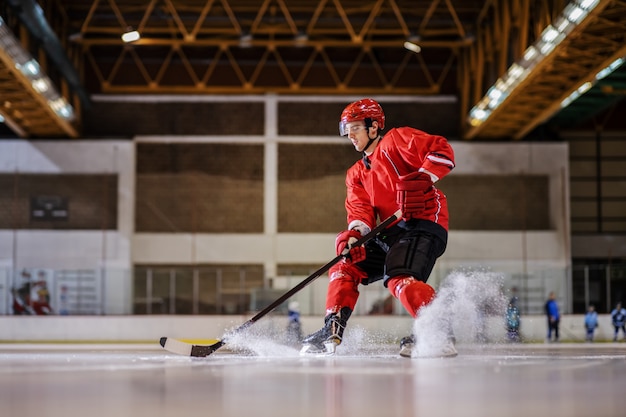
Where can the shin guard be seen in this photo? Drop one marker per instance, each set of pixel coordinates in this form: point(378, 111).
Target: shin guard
point(413, 294)
point(343, 287)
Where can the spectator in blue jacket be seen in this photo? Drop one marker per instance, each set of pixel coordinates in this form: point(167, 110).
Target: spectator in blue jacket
point(554, 317)
point(294, 328)
point(618, 317)
point(591, 322)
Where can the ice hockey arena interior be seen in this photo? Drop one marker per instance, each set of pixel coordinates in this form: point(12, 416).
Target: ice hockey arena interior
point(172, 177)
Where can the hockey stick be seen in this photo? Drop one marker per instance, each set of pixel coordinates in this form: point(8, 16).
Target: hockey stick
point(190, 349)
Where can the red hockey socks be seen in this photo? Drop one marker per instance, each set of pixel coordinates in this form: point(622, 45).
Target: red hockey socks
point(343, 287)
point(413, 294)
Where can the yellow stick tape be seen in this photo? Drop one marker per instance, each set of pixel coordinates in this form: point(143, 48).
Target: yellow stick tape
point(200, 341)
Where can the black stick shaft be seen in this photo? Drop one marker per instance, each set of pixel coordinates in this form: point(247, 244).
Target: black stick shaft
point(364, 239)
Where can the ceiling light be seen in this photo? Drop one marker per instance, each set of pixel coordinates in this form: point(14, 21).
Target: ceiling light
point(300, 37)
point(245, 40)
point(413, 47)
point(131, 36)
point(412, 44)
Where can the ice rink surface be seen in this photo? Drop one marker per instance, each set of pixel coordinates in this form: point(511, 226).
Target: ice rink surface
point(505, 380)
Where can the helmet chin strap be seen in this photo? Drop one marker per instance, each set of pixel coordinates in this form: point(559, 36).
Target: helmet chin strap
point(371, 140)
point(366, 160)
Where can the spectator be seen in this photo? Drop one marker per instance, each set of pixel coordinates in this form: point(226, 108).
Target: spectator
point(513, 321)
point(591, 322)
point(618, 317)
point(554, 317)
point(294, 328)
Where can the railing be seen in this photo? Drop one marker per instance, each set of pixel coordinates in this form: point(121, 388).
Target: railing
point(234, 290)
point(601, 285)
point(244, 289)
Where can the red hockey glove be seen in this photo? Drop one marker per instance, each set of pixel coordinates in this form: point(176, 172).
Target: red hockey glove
point(345, 240)
point(410, 191)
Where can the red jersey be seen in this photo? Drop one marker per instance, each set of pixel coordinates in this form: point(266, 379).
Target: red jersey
point(371, 192)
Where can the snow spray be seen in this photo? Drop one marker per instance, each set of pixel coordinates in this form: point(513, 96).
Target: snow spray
point(465, 304)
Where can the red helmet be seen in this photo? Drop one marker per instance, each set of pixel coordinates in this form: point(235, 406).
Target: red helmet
point(364, 109)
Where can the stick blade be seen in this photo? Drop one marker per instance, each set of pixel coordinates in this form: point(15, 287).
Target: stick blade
point(176, 346)
point(181, 347)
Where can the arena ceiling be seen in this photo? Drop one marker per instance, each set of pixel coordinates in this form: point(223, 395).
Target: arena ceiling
point(347, 47)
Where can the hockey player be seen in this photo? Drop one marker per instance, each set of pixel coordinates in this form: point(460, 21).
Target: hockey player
point(513, 322)
point(618, 318)
point(591, 322)
point(397, 171)
point(294, 327)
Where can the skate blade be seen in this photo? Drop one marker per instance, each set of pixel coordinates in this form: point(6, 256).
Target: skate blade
point(429, 354)
point(437, 356)
point(406, 352)
point(311, 350)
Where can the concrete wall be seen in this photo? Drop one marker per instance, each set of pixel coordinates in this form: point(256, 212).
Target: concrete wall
point(512, 253)
point(73, 249)
point(108, 250)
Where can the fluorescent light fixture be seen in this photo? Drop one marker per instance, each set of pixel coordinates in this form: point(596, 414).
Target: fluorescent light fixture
point(62, 108)
point(588, 4)
point(564, 25)
point(412, 43)
point(477, 116)
point(30, 68)
point(531, 53)
point(496, 95)
point(301, 37)
point(131, 36)
point(41, 85)
point(515, 72)
point(587, 85)
point(552, 35)
point(550, 38)
point(610, 68)
point(549, 34)
point(576, 93)
point(245, 40)
point(574, 14)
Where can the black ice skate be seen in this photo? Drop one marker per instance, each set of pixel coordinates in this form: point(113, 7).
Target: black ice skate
point(326, 340)
point(407, 343)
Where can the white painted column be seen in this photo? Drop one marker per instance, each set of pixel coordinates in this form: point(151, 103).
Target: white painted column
point(270, 180)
